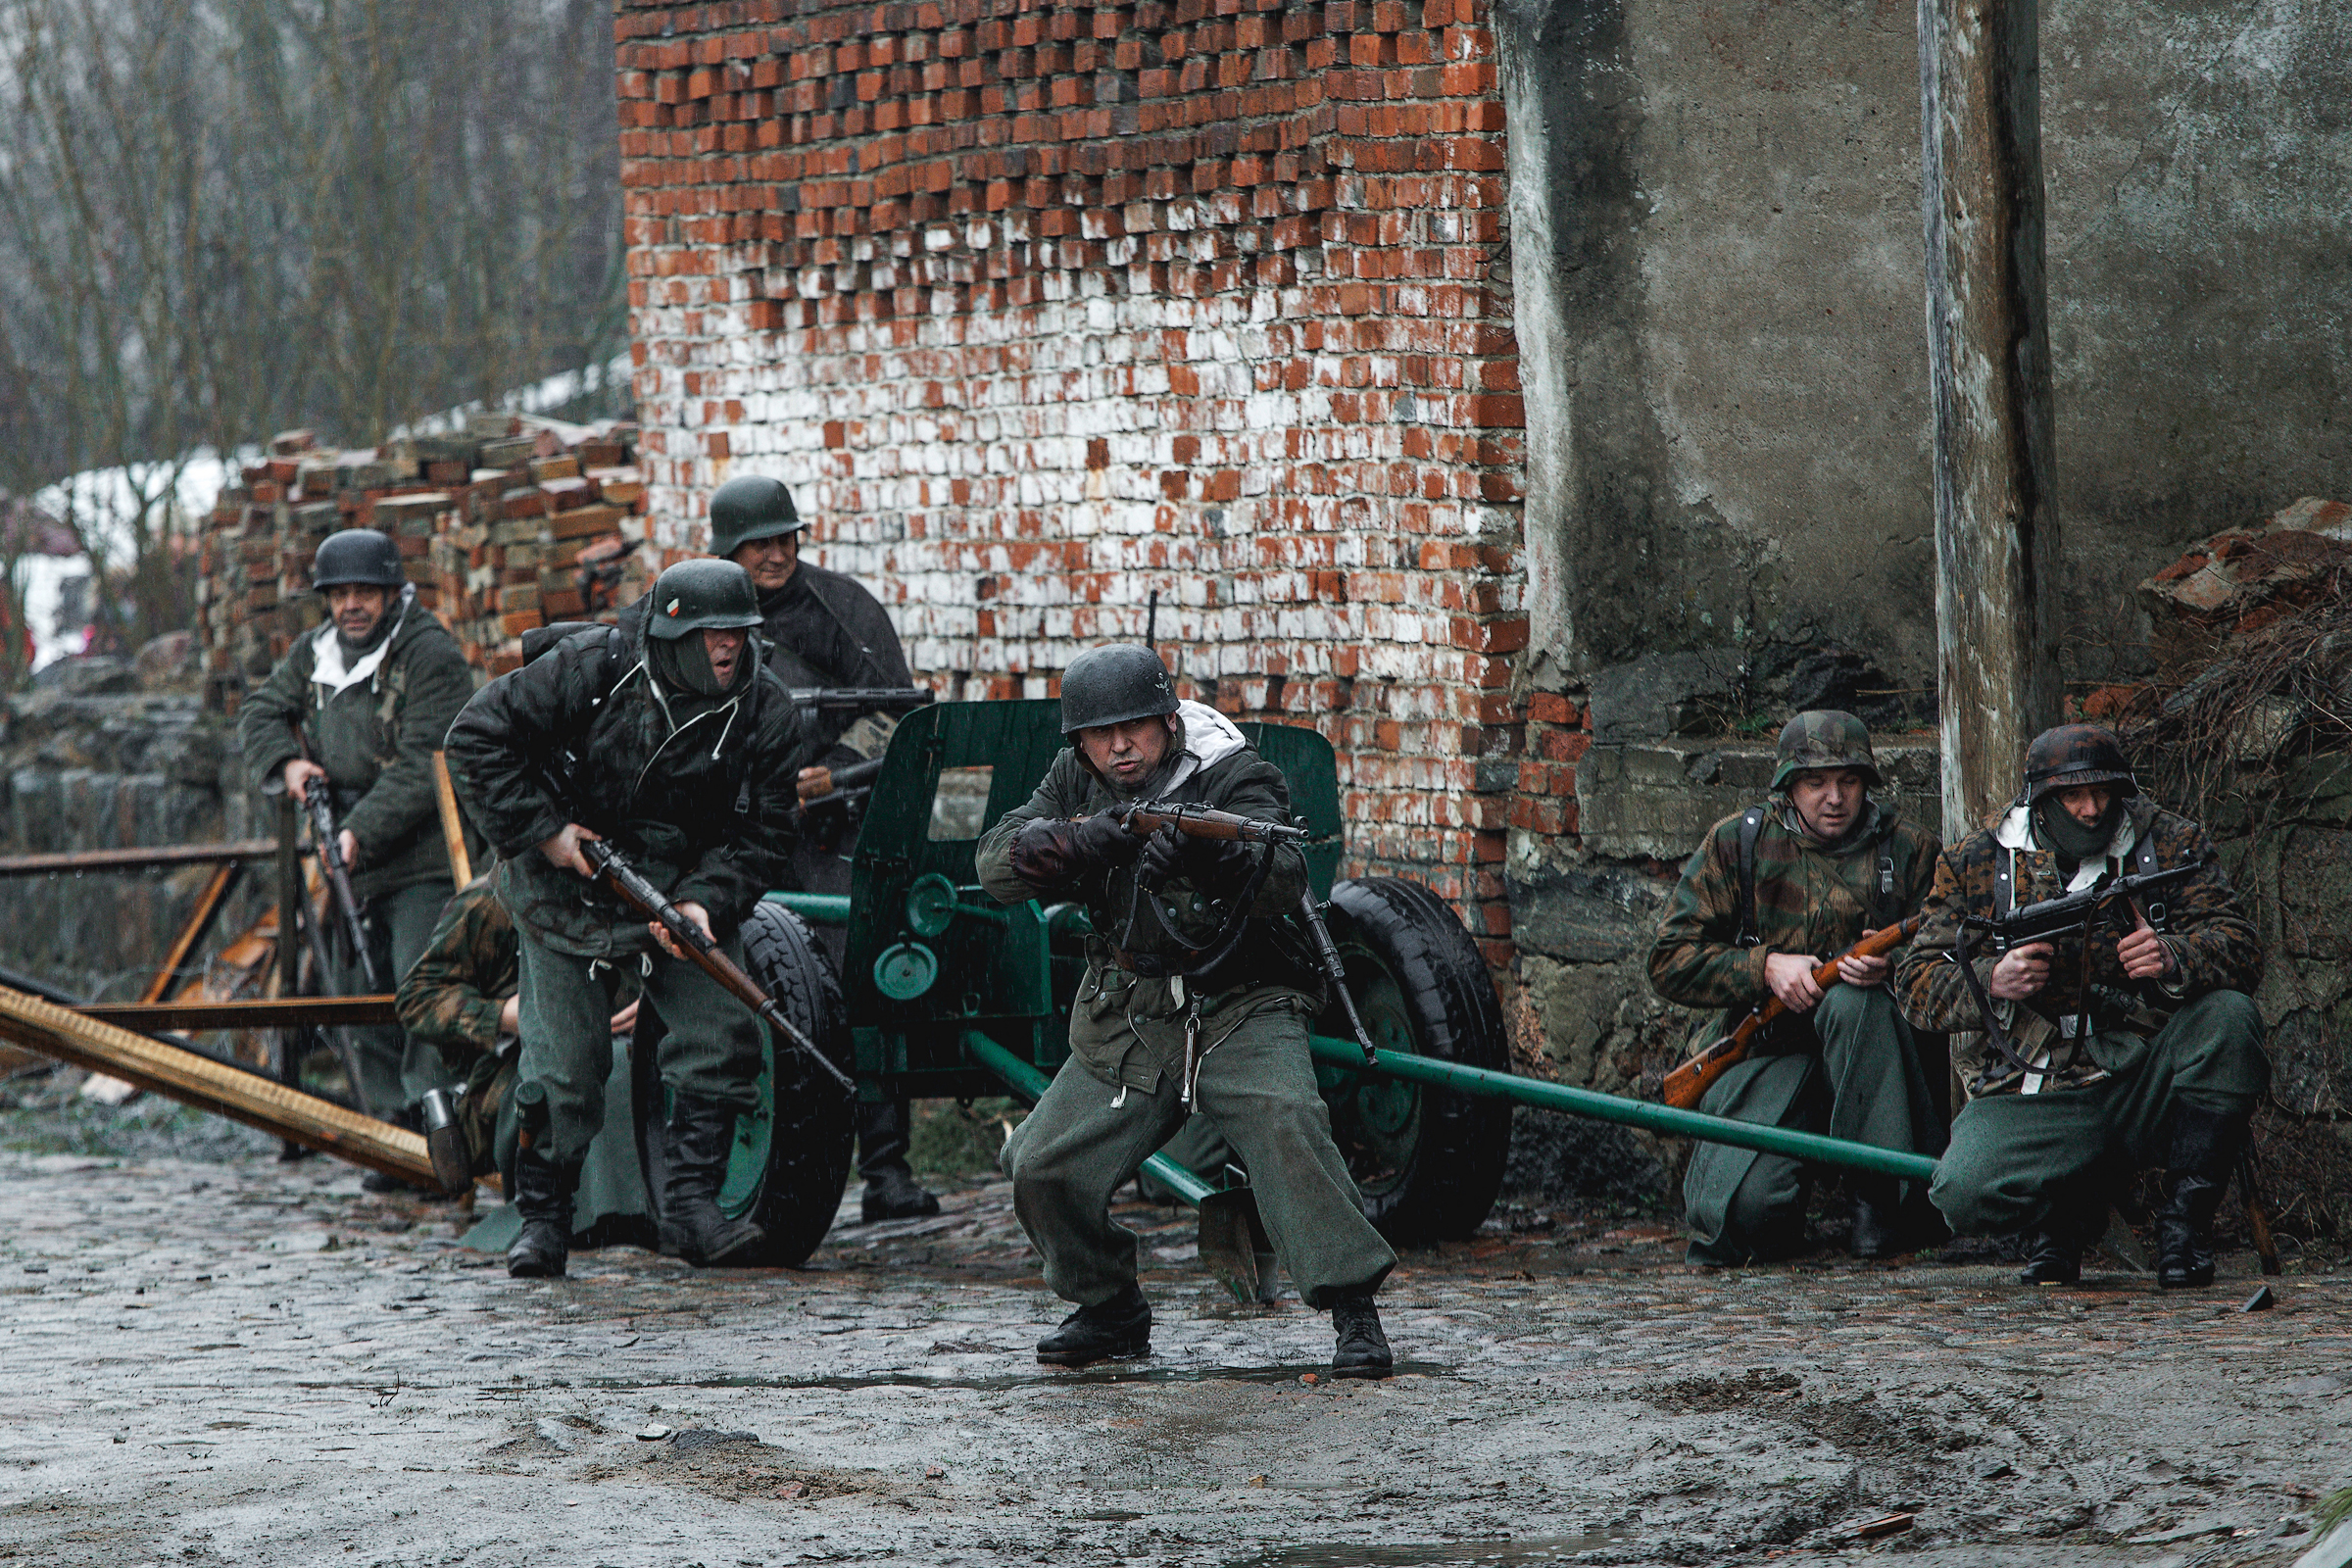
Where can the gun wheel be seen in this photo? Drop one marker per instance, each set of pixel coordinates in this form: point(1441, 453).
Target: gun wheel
point(792, 1156)
point(1428, 1161)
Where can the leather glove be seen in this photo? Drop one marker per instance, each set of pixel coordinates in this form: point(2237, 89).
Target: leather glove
point(1222, 866)
point(1165, 853)
point(1053, 854)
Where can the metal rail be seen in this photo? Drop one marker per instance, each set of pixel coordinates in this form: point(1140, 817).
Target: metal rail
point(273, 1013)
point(817, 909)
point(1544, 1096)
point(136, 859)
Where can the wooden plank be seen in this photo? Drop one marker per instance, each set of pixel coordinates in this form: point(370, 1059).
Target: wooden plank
point(1989, 351)
point(136, 857)
point(452, 823)
point(249, 1012)
point(200, 920)
point(194, 1080)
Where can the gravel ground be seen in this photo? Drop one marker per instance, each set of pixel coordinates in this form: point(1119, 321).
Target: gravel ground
point(210, 1356)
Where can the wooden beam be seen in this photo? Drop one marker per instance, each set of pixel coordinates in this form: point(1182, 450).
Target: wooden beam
point(1989, 351)
point(200, 920)
point(259, 1012)
point(207, 1085)
point(135, 859)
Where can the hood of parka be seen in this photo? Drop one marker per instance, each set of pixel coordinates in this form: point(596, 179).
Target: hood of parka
point(682, 666)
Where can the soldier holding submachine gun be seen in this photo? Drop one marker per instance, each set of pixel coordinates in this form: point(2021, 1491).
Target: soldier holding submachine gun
point(2093, 954)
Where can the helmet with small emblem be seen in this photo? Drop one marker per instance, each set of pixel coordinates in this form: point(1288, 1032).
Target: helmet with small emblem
point(754, 507)
point(701, 596)
point(357, 555)
point(1823, 738)
point(1112, 685)
point(2076, 754)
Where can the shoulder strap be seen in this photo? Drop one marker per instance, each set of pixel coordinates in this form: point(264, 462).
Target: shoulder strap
point(2004, 881)
point(1752, 823)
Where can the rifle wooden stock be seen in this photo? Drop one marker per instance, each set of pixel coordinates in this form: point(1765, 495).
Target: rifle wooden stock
point(1688, 1083)
point(1200, 822)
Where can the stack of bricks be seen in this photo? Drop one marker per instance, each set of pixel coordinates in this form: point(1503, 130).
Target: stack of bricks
point(509, 526)
point(1043, 309)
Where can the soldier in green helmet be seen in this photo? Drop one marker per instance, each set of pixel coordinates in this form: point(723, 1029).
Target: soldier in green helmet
point(1198, 990)
point(675, 742)
point(358, 709)
point(822, 629)
point(2126, 1051)
point(1774, 893)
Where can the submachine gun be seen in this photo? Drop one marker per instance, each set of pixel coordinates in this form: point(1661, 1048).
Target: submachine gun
point(2104, 902)
point(831, 813)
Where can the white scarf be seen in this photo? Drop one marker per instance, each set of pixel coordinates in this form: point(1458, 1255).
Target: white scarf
point(327, 649)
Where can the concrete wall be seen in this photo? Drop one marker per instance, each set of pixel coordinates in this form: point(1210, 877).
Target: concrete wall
point(1716, 222)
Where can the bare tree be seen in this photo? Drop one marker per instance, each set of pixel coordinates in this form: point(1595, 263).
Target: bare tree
point(220, 217)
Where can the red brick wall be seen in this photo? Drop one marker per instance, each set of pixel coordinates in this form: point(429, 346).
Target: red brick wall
point(1040, 308)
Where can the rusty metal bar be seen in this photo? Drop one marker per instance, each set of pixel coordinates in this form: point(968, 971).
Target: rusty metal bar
point(135, 859)
point(268, 1012)
point(208, 905)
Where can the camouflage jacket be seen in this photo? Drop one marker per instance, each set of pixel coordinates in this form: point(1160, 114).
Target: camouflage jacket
point(451, 996)
point(1808, 901)
point(2212, 942)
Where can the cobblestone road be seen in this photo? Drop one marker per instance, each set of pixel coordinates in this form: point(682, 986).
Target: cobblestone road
point(234, 1361)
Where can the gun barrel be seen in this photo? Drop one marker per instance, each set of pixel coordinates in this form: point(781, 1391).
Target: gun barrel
point(862, 699)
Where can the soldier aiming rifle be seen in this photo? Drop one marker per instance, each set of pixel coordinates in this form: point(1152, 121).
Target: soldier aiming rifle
point(673, 743)
point(347, 723)
point(1199, 982)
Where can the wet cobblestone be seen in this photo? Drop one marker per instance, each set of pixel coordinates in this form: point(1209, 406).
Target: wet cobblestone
point(241, 1361)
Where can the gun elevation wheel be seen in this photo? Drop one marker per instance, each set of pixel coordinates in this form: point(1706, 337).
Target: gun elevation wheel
point(792, 1156)
point(1429, 1162)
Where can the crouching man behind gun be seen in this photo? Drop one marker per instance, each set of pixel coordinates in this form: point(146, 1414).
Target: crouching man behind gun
point(2131, 1039)
point(1198, 990)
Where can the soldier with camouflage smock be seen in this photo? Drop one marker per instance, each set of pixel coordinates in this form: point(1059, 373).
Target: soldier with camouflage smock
point(2152, 1056)
point(823, 629)
point(1177, 978)
point(675, 743)
point(359, 708)
point(459, 996)
point(1773, 894)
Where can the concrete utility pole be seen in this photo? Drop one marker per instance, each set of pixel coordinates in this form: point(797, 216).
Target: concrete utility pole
point(1989, 348)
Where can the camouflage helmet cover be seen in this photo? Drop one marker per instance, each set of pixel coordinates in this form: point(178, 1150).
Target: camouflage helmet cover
point(701, 596)
point(2076, 754)
point(754, 507)
point(1823, 738)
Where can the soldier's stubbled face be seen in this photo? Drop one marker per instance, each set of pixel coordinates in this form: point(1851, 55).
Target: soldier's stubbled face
point(357, 607)
point(1126, 754)
point(722, 648)
point(2087, 803)
point(1830, 799)
point(770, 561)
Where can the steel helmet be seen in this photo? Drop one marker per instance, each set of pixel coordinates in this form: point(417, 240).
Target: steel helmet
point(358, 555)
point(2076, 754)
point(1823, 738)
point(1112, 685)
point(701, 596)
point(754, 507)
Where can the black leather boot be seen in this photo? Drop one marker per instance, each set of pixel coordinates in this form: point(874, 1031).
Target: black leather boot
point(1362, 1350)
point(2054, 1247)
point(2205, 1148)
point(1108, 1331)
point(700, 1135)
point(1878, 1220)
point(543, 1192)
point(891, 1190)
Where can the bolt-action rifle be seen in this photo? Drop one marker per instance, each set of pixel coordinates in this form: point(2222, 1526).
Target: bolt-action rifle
point(1201, 822)
point(632, 887)
point(2103, 902)
point(1688, 1083)
point(329, 834)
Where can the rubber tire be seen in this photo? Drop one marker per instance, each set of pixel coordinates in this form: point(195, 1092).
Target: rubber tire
point(1420, 982)
point(796, 1197)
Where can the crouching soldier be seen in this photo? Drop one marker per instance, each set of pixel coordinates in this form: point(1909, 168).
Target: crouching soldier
point(2151, 1054)
point(358, 709)
point(1197, 995)
point(675, 745)
point(1771, 896)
